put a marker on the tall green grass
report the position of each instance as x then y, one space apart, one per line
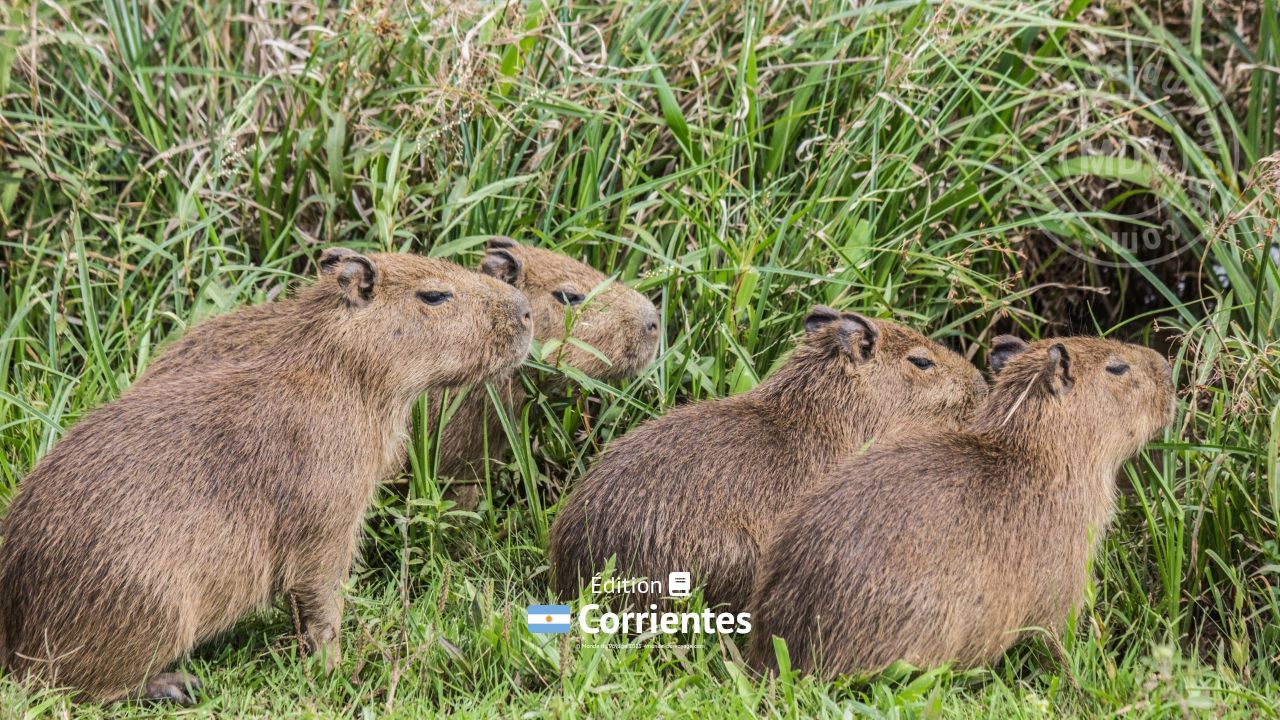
935 162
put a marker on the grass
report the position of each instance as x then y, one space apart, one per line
942 163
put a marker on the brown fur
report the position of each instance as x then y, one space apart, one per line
940 548
618 322
164 516
698 489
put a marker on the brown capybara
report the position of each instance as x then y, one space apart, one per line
619 324
946 547
698 489
166 515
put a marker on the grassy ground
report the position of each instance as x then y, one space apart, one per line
945 163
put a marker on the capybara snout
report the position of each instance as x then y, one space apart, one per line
512 321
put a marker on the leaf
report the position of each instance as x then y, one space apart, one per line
1127 169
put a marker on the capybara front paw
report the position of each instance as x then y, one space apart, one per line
331 654
174 687
323 644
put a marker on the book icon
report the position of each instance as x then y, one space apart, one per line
679 584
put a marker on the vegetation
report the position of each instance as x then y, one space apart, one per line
970 168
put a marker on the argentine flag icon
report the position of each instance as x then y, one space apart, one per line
548 618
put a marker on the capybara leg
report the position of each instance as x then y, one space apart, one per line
322 641
465 494
320 612
1053 639
173 687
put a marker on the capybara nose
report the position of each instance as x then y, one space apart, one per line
649 321
1162 367
980 387
522 311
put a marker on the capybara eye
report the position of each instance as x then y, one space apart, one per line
434 297
565 297
923 363
1118 368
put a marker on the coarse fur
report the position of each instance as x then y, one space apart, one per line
166 515
698 489
946 547
572 303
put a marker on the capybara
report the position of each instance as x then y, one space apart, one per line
946 547
698 489
166 515
619 324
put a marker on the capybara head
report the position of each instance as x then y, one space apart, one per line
1113 394
924 382
410 314
572 300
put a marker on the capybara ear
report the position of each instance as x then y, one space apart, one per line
500 241
819 317
859 336
356 274
1057 369
502 265
1004 348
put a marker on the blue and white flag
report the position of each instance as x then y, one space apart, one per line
548 618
